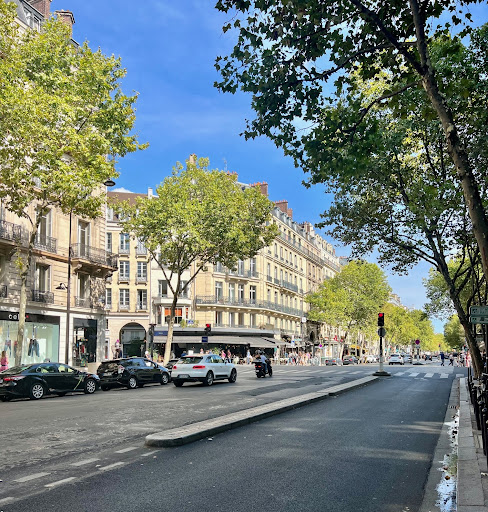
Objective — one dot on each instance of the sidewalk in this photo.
(472, 481)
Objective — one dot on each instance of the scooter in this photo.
(261, 371)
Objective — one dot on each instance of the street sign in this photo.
(204, 339)
(417, 342)
(382, 332)
(478, 311)
(478, 319)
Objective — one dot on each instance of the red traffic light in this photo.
(208, 328)
(381, 319)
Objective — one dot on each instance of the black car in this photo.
(169, 365)
(131, 372)
(36, 380)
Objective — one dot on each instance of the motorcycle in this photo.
(261, 370)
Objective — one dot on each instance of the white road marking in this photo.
(61, 482)
(150, 453)
(31, 477)
(399, 373)
(7, 500)
(428, 375)
(444, 375)
(111, 466)
(125, 450)
(83, 462)
(354, 373)
(413, 374)
(459, 374)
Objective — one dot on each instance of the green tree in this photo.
(299, 57)
(351, 299)
(199, 217)
(454, 333)
(64, 120)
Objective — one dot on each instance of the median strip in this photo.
(189, 433)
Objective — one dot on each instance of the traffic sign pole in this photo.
(381, 372)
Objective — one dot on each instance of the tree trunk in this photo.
(169, 338)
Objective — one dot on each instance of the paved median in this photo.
(189, 433)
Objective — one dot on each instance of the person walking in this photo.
(3, 361)
(451, 360)
(442, 358)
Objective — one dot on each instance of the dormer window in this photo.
(33, 21)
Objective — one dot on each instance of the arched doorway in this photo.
(132, 339)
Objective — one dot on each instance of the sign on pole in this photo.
(417, 342)
(382, 332)
(204, 339)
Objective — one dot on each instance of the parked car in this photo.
(350, 360)
(202, 368)
(396, 359)
(371, 359)
(169, 365)
(131, 372)
(332, 361)
(407, 358)
(37, 380)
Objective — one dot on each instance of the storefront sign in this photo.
(13, 316)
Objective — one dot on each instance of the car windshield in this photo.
(190, 360)
(16, 369)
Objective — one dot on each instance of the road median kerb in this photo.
(189, 433)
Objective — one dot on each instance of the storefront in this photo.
(84, 341)
(41, 337)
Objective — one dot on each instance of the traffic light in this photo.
(208, 328)
(381, 319)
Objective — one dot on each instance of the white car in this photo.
(396, 359)
(202, 368)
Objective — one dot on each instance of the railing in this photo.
(124, 307)
(46, 243)
(318, 260)
(141, 251)
(124, 278)
(46, 297)
(83, 302)
(94, 255)
(3, 291)
(141, 307)
(249, 303)
(141, 279)
(10, 231)
(243, 273)
(124, 250)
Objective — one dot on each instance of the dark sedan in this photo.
(37, 380)
(131, 372)
(350, 360)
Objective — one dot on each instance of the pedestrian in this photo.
(229, 356)
(248, 357)
(3, 361)
(222, 355)
(442, 358)
(451, 360)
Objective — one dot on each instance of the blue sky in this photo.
(169, 49)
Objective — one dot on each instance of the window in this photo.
(83, 286)
(219, 267)
(268, 271)
(110, 213)
(218, 318)
(296, 265)
(109, 242)
(240, 267)
(62, 368)
(252, 294)
(276, 273)
(281, 253)
(124, 244)
(252, 320)
(141, 299)
(276, 297)
(43, 272)
(124, 272)
(162, 288)
(44, 229)
(240, 292)
(253, 267)
(141, 248)
(232, 319)
(240, 319)
(276, 250)
(269, 295)
(183, 291)
(83, 233)
(232, 292)
(108, 298)
(141, 271)
(219, 290)
(124, 300)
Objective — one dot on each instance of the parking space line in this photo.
(111, 466)
(150, 453)
(31, 477)
(129, 449)
(83, 462)
(60, 482)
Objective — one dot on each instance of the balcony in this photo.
(123, 278)
(241, 273)
(9, 231)
(46, 243)
(141, 306)
(246, 303)
(3, 291)
(141, 279)
(93, 257)
(124, 307)
(124, 250)
(141, 251)
(83, 302)
(45, 297)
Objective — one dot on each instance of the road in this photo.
(369, 449)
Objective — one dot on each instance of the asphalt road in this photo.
(366, 450)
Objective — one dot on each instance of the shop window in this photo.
(178, 314)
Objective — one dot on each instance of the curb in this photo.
(187, 434)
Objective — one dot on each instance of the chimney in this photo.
(67, 18)
(43, 6)
(193, 159)
(264, 188)
(282, 205)
(290, 213)
(149, 192)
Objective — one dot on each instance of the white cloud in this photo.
(122, 189)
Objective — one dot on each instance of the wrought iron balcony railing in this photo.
(46, 297)
(247, 303)
(3, 291)
(94, 255)
(46, 243)
(10, 231)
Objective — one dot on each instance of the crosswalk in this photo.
(315, 371)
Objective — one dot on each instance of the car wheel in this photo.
(164, 379)
(209, 378)
(233, 375)
(4, 398)
(105, 388)
(132, 383)
(178, 383)
(37, 391)
(90, 386)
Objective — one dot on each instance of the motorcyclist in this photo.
(258, 356)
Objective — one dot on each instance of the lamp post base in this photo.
(381, 373)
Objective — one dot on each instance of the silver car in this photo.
(202, 368)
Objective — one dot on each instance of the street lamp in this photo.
(62, 286)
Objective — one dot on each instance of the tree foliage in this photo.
(454, 333)
(199, 217)
(64, 121)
